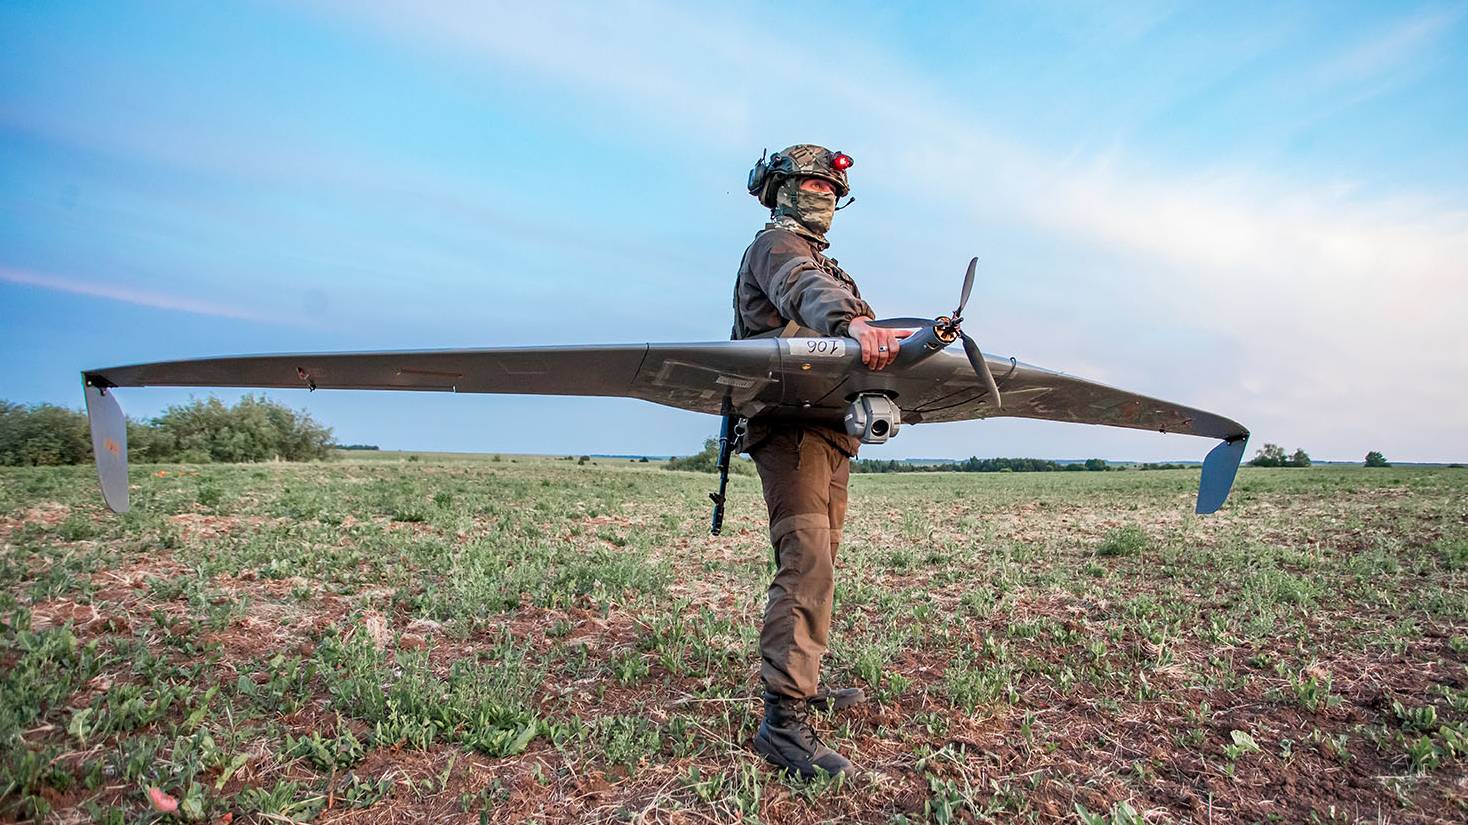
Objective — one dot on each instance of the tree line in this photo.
(707, 460)
(201, 431)
(974, 464)
(1270, 455)
(1273, 455)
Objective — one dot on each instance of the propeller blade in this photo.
(902, 323)
(981, 367)
(968, 286)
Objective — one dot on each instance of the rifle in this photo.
(730, 431)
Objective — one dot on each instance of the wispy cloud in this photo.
(137, 297)
(1401, 46)
(1326, 314)
(1374, 65)
(1340, 314)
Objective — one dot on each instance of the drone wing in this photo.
(1035, 392)
(1029, 391)
(810, 379)
(1053, 396)
(697, 377)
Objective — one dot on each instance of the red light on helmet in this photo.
(841, 161)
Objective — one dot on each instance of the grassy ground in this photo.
(540, 641)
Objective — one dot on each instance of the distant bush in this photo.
(1376, 459)
(707, 461)
(358, 447)
(254, 429)
(1270, 455)
(43, 434)
(1273, 455)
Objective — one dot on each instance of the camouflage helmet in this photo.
(800, 160)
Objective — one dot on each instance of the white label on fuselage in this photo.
(815, 347)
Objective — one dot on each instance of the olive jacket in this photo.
(785, 277)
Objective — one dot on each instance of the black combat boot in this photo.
(830, 700)
(786, 740)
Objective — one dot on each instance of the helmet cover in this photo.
(803, 160)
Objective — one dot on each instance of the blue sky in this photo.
(1259, 209)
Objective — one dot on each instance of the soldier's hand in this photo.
(878, 346)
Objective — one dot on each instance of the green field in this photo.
(533, 640)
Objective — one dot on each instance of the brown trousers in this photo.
(805, 477)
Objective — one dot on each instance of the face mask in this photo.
(814, 209)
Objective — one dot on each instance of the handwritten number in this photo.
(822, 346)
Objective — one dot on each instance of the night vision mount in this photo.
(770, 169)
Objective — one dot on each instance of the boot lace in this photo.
(799, 716)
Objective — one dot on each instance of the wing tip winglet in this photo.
(1219, 469)
(109, 440)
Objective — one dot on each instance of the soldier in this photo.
(787, 286)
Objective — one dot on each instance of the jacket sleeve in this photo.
(798, 287)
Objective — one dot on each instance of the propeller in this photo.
(976, 360)
(949, 329)
(968, 286)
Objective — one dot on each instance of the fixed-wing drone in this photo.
(799, 376)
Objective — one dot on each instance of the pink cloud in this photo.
(138, 297)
